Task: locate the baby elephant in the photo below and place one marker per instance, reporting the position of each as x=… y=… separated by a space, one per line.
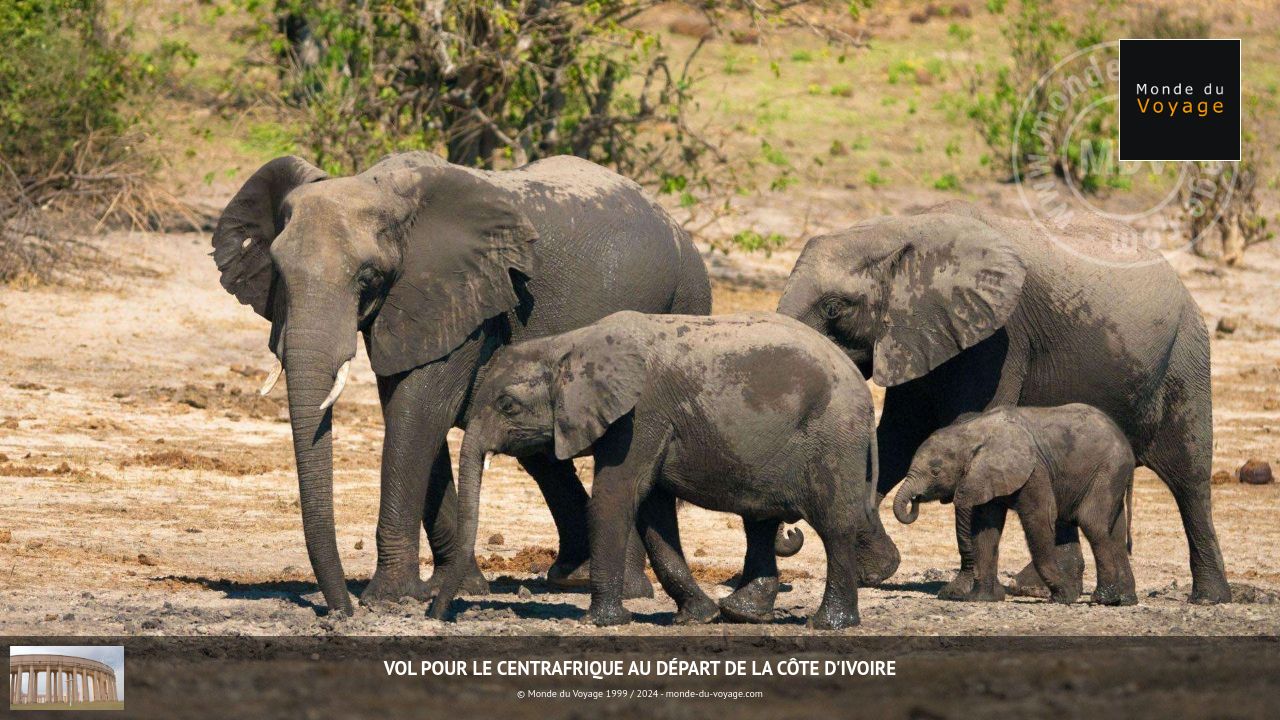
x=754 y=414
x=1067 y=465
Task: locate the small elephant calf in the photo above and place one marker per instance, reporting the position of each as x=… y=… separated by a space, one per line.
x=754 y=414
x=1068 y=465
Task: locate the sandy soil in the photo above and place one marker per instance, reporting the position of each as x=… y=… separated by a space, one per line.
x=146 y=489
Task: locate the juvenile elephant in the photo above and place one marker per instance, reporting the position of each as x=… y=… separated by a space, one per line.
x=958 y=310
x=436 y=265
x=754 y=414
x=1058 y=468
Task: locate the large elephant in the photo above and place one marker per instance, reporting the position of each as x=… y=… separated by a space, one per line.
x=437 y=265
x=957 y=310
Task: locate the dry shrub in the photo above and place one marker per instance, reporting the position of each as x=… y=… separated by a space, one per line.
x=70 y=129
x=183 y=460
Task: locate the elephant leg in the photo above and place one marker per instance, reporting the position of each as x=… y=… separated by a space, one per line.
x=562 y=489
x=419 y=408
x=626 y=467
x=988 y=525
x=752 y=601
x=961 y=585
x=839 y=607
x=440 y=521
x=905 y=423
x=1185 y=468
x=1027 y=583
x=1108 y=538
x=1038 y=514
x=661 y=533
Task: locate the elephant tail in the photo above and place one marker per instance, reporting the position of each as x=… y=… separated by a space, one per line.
x=1128 y=512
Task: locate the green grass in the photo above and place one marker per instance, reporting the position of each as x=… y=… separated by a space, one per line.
x=899 y=106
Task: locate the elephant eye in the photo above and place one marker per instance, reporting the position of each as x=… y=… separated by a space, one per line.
x=833 y=308
x=934 y=470
x=507 y=405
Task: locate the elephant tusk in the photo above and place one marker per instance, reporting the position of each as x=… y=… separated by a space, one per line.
x=339 y=383
x=487 y=457
x=272 y=378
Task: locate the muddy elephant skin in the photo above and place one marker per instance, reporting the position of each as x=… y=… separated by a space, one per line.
x=753 y=414
x=435 y=266
x=1057 y=468
x=958 y=309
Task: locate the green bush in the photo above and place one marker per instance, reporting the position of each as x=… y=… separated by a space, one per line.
x=72 y=97
x=1008 y=102
x=484 y=83
x=64 y=78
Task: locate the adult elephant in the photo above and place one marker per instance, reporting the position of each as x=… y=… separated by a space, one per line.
x=957 y=310
x=437 y=265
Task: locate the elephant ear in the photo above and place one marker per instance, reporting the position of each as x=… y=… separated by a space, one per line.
x=596 y=382
x=953 y=281
x=1000 y=465
x=466 y=249
x=248 y=226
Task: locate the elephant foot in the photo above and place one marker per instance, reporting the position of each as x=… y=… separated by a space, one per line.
x=831 y=619
x=569 y=575
x=1112 y=595
x=1027 y=583
x=575 y=576
x=878 y=560
x=993 y=593
x=636 y=585
x=959 y=588
x=1210 y=593
x=383 y=589
x=752 y=602
x=608 y=615
x=1063 y=596
x=698 y=611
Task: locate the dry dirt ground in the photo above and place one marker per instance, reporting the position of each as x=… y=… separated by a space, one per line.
x=146 y=489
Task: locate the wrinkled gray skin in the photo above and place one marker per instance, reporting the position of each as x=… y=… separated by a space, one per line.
x=958 y=310
x=753 y=414
x=1057 y=468
x=437 y=265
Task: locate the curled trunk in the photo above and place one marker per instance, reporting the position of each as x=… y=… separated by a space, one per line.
x=471 y=463
x=787 y=543
x=907 y=495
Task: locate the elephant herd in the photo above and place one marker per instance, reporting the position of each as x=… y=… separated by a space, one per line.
x=555 y=311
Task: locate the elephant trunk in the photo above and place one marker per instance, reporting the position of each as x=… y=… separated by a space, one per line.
x=907 y=495
x=787 y=543
x=471 y=464
x=314 y=357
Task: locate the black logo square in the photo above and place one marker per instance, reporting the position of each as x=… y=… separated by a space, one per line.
x=1180 y=99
